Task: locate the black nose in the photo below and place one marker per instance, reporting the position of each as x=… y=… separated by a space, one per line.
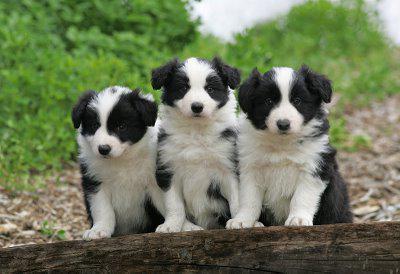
x=283 y=124
x=104 y=149
x=197 y=107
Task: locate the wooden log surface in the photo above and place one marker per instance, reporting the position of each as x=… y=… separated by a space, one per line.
x=342 y=248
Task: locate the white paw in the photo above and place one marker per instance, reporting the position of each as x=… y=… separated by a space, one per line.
x=237 y=223
x=258 y=224
x=188 y=226
x=299 y=221
x=168 y=228
x=95 y=233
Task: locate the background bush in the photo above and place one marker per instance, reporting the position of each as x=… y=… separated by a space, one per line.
x=52 y=50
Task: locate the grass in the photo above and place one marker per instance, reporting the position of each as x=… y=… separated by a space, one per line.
x=51 y=53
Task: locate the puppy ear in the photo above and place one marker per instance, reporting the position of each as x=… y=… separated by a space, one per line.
x=229 y=75
x=317 y=83
x=145 y=106
x=161 y=75
x=80 y=107
x=246 y=90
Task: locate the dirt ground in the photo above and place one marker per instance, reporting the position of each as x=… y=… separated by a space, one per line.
x=373 y=174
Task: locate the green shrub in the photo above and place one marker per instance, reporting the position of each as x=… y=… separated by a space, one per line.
x=52 y=50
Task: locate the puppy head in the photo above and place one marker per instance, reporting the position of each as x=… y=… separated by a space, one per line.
x=283 y=100
x=113 y=120
x=196 y=87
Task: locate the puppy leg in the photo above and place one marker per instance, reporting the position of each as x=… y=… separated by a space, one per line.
x=305 y=201
x=103 y=217
x=230 y=190
x=250 y=203
x=174 y=210
x=157 y=199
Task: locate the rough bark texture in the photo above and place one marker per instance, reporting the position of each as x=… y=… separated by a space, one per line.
x=343 y=248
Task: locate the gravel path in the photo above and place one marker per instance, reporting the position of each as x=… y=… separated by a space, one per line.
x=373 y=174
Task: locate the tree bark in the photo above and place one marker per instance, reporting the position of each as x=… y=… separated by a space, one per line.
x=344 y=248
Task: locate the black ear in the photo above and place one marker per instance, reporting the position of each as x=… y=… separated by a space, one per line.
x=80 y=107
x=146 y=107
x=317 y=83
x=161 y=75
x=246 y=90
x=229 y=75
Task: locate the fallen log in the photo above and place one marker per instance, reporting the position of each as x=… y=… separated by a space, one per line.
x=344 y=248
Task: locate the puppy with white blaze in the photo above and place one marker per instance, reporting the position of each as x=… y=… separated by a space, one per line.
x=288 y=170
x=117 y=150
x=196 y=161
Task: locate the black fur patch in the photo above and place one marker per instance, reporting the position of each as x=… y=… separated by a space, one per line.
x=89 y=186
x=316 y=83
x=131 y=116
x=217 y=90
x=214 y=192
x=231 y=135
x=230 y=76
x=154 y=216
x=163 y=172
x=267 y=217
x=162 y=135
x=90 y=122
x=80 y=107
x=258 y=95
x=334 y=205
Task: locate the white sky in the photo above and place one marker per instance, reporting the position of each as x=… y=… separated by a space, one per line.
x=245 y=13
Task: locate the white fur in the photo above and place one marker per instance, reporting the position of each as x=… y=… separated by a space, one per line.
x=285 y=110
x=276 y=170
x=125 y=178
x=197 y=72
x=196 y=154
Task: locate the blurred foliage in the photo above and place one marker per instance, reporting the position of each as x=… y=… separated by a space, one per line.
x=52 y=50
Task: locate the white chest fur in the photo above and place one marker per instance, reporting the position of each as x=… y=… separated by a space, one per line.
x=278 y=165
x=126 y=181
x=198 y=156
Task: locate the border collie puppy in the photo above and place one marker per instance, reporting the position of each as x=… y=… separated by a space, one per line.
x=117 y=150
x=196 y=161
x=288 y=170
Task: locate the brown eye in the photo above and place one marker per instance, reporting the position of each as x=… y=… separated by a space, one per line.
x=269 y=102
x=184 y=88
x=121 y=127
x=297 y=101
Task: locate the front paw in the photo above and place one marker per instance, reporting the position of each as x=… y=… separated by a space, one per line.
x=237 y=223
x=188 y=226
x=168 y=228
x=258 y=224
x=95 y=233
x=299 y=221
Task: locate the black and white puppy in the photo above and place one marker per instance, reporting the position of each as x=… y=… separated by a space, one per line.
x=117 y=152
x=288 y=170
x=196 y=162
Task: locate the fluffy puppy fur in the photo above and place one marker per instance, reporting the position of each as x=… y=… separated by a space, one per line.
x=196 y=162
x=288 y=170
x=117 y=150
